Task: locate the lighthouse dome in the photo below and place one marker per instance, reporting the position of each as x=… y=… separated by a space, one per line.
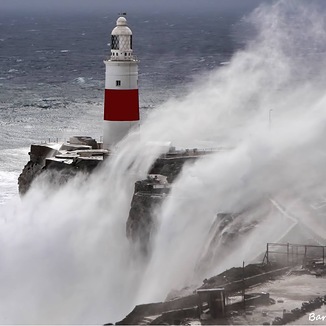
x=122 y=27
x=121 y=21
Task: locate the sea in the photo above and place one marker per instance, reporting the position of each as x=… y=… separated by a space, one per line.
x=52 y=72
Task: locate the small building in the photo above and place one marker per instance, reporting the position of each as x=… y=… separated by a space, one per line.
x=215 y=299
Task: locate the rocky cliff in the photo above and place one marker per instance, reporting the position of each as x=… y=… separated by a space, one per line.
x=84 y=154
x=80 y=154
x=148 y=195
x=38 y=155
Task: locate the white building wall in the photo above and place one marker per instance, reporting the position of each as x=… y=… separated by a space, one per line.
x=124 y=71
x=115 y=131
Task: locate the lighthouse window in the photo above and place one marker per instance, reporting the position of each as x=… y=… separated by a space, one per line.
x=118 y=83
x=130 y=41
x=115 y=42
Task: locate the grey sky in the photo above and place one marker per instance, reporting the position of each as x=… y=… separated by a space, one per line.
x=62 y=6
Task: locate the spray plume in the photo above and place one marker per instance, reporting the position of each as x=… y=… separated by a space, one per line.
x=64 y=254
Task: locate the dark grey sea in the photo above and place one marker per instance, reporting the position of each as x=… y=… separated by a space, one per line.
x=52 y=71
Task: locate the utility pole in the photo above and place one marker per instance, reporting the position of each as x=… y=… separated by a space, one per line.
x=243 y=285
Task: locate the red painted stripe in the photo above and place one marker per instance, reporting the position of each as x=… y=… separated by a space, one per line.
x=121 y=105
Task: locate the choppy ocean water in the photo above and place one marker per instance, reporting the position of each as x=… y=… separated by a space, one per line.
x=52 y=72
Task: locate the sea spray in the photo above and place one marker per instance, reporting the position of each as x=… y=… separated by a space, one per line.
x=64 y=247
x=271 y=110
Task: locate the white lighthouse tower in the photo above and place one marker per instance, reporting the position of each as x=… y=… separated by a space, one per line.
x=121 y=104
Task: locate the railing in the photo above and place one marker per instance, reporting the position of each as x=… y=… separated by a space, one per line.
x=293 y=253
x=131 y=58
x=193 y=152
x=57 y=140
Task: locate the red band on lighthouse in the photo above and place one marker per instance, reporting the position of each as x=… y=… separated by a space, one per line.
x=121 y=105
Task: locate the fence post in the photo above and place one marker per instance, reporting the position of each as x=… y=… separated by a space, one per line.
x=288 y=253
x=244 y=285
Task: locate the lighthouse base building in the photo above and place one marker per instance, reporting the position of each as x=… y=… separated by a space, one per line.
x=121 y=101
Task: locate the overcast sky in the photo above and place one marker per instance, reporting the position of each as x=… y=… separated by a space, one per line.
x=62 y=6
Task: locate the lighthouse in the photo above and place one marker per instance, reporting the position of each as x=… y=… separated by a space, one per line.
x=121 y=104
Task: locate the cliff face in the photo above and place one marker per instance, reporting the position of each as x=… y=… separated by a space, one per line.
x=38 y=155
x=141 y=222
x=84 y=154
x=170 y=166
x=80 y=154
x=149 y=195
